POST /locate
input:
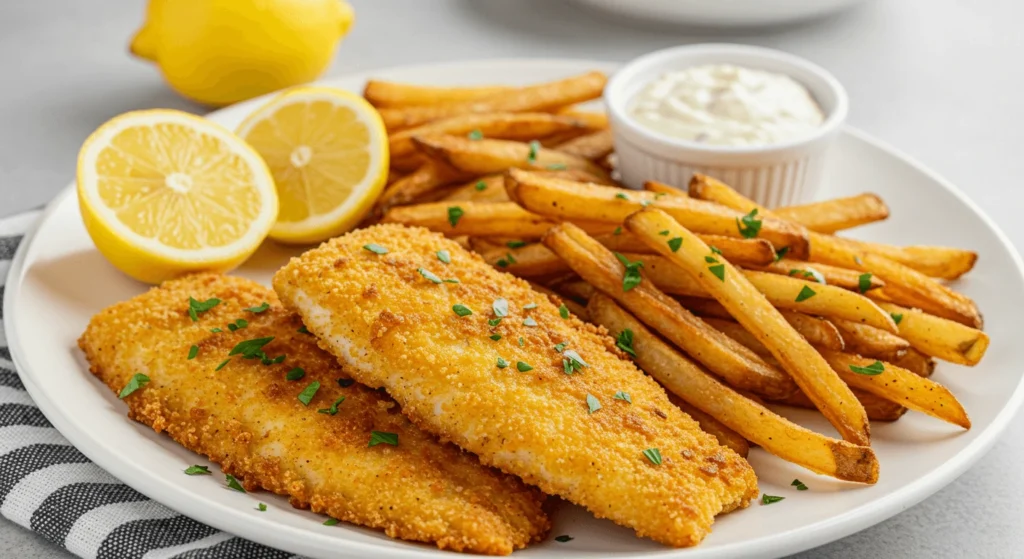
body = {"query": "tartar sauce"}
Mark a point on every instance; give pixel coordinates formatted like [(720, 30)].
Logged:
[(728, 105)]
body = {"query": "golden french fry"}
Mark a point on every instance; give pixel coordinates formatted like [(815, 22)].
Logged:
[(748, 252), (483, 157), (382, 93), (484, 189), (409, 163), (748, 418), (726, 436), (533, 259), (540, 97), (662, 188), (591, 146), (505, 126), (499, 219), (878, 409), (898, 385), (570, 200), (751, 309), (818, 331), (939, 337), (428, 178), (837, 214), (833, 275), (861, 339), (726, 358), (917, 363), (578, 290), (594, 120), (911, 288)]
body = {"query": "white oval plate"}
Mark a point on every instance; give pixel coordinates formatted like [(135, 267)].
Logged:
[(58, 281)]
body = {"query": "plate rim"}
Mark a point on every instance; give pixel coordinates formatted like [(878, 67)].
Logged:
[(266, 532)]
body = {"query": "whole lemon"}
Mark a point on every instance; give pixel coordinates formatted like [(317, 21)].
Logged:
[(219, 52)]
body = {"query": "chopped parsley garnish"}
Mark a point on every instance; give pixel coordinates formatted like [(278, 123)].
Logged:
[(654, 455), (529, 306), (510, 258), (805, 293), (646, 203), (523, 366), (675, 243), (331, 522), (196, 307), (625, 342), (563, 311), (303, 330), (451, 280), (500, 308), (521, 342), (216, 330), (529, 321), (561, 347), (873, 369), (749, 225), (461, 310), (306, 396), (295, 374), (896, 317), (455, 213), (593, 404), (617, 231), (557, 167), (710, 259), (261, 507), (718, 270), (381, 437), (429, 275), (238, 324), (767, 499), (631, 278), (476, 135), (664, 233), (563, 539), (515, 244), (620, 395), (223, 364), (375, 248), (799, 485), (333, 410), (198, 471), (621, 196), (233, 483), (502, 363), (137, 381), (274, 361), (345, 382), (495, 337), (715, 250), (572, 362), (864, 283), (257, 310), (781, 253), (251, 349), (494, 322), (480, 186), (809, 273), (444, 256), (534, 148), (192, 352)]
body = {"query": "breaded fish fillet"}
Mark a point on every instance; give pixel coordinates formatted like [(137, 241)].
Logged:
[(539, 394), (248, 418)]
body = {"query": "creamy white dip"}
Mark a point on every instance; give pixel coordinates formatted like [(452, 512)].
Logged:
[(723, 104)]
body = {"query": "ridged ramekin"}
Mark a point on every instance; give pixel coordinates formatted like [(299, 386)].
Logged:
[(774, 175)]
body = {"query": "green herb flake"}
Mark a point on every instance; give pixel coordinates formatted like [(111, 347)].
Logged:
[(654, 455), (455, 213), (749, 225), (715, 250), (494, 322), (523, 366), (295, 374), (444, 256), (522, 343), (631, 278), (261, 507), (563, 311), (531, 157), (137, 381), (805, 293), (573, 362), (192, 352), (557, 167), (767, 499), (624, 396), (333, 410), (625, 342), (495, 337), (515, 244), (621, 196), (529, 321), (502, 363), (250, 349), (711, 260), (262, 308), (864, 283), (718, 270), (461, 310), (331, 522), (561, 347), (529, 306), (593, 404), (664, 233), (871, 370), (195, 307), (500, 308), (429, 275), (345, 382), (781, 253), (233, 483), (563, 538), (799, 485), (896, 317), (480, 186), (675, 243), (223, 364), (511, 259), (451, 280), (216, 330), (381, 437), (617, 231), (476, 135), (303, 330), (198, 471), (375, 248), (306, 396)]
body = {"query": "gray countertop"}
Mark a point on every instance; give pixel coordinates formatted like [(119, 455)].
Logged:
[(940, 79)]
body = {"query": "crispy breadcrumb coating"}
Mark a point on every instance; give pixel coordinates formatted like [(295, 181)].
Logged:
[(247, 417), (392, 325)]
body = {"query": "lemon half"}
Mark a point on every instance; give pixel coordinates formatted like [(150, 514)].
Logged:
[(328, 152), (164, 193)]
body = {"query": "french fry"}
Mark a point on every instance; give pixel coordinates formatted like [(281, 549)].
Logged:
[(505, 126), (819, 332), (861, 339), (751, 420), (917, 363), (833, 275), (878, 409), (660, 187), (490, 188), (540, 97), (499, 219), (751, 309), (837, 214), (533, 259), (591, 146), (578, 290), (710, 425), (736, 364), (748, 252), (939, 337), (428, 178), (570, 200), (595, 120), (899, 385), (483, 157), (911, 288), (393, 94)]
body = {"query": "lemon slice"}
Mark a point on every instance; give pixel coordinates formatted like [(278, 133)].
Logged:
[(328, 152), (164, 193)]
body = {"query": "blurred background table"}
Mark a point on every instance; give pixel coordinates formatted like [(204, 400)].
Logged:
[(939, 79)]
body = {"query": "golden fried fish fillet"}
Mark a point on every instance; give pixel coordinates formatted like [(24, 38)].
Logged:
[(540, 395), (248, 418)]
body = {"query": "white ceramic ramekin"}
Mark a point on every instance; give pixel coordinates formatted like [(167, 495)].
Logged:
[(774, 175)]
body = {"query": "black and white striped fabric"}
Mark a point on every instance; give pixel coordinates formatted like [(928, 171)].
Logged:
[(48, 486)]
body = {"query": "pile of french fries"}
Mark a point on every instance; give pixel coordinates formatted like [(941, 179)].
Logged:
[(728, 304)]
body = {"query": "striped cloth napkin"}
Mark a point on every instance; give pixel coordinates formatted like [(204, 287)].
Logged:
[(48, 486)]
